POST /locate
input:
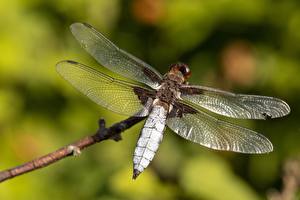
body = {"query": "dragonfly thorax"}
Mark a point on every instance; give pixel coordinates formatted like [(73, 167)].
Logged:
[(168, 91)]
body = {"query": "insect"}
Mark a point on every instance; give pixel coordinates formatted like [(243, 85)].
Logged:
[(167, 101)]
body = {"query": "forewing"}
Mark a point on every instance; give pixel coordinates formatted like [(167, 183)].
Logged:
[(201, 128), (235, 105), (114, 58), (116, 95)]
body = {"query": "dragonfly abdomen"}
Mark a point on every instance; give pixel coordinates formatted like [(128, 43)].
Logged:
[(150, 138)]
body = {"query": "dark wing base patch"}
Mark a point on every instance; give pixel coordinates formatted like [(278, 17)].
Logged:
[(143, 94), (179, 109)]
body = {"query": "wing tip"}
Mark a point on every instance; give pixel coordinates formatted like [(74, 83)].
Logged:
[(283, 110), (63, 63), (266, 148), (67, 61), (262, 146), (77, 25), (284, 107), (74, 26), (287, 107)]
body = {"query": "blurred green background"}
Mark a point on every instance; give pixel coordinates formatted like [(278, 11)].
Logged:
[(242, 46)]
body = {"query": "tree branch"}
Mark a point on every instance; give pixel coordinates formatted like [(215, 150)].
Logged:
[(113, 132)]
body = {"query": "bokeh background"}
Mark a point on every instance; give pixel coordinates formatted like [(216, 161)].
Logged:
[(242, 46)]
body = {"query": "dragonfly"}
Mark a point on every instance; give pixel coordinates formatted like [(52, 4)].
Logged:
[(167, 101)]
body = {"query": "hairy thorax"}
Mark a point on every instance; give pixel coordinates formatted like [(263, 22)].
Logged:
[(168, 91)]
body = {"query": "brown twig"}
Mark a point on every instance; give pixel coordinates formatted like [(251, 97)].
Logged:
[(113, 132)]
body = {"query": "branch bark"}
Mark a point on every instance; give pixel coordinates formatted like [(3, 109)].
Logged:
[(113, 132)]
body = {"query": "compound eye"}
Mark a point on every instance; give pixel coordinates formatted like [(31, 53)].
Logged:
[(183, 70)]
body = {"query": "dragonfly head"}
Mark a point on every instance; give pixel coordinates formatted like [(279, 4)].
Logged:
[(180, 70)]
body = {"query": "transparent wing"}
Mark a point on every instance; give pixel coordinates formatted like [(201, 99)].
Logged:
[(235, 105), (210, 132), (114, 58), (113, 94)]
